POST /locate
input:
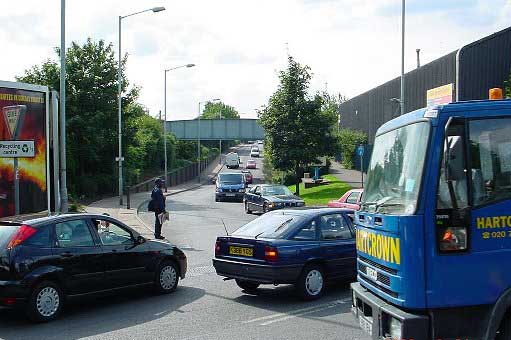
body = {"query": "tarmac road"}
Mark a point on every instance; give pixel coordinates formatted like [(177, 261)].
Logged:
[(204, 306)]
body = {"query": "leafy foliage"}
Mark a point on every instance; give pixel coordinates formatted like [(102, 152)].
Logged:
[(215, 110), (298, 130), (348, 142), (92, 122)]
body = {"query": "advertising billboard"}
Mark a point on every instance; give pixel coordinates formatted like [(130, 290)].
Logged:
[(23, 149), (440, 95)]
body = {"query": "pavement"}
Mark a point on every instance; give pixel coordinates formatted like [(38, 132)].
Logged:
[(130, 216), (352, 177)]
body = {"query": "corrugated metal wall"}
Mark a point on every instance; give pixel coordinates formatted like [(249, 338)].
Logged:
[(368, 111), (484, 64)]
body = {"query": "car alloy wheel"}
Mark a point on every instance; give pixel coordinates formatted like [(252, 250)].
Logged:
[(45, 302), (265, 207), (314, 282), (311, 282), (167, 278)]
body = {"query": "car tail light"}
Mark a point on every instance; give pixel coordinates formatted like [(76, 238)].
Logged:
[(217, 248), (271, 254), (9, 301), (23, 233)]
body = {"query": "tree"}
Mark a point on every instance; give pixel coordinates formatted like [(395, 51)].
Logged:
[(212, 110), (298, 129), (91, 113)]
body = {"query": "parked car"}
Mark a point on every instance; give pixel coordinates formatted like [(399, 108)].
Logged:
[(302, 247), (48, 261), (248, 176), (351, 200), (230, 185), (251, 164), (254, 152), (232, 160), (266, 197)]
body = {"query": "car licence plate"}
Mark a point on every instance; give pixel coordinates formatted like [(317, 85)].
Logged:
[(230, 195), (373, 274), (243, 251), (365, 325)]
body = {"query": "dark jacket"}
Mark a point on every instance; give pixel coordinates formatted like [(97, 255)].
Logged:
[(159, 199)]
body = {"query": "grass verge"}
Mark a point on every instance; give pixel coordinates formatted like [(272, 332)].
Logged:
[(320, 195)]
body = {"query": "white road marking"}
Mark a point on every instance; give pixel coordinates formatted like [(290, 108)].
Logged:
[(299, 312)]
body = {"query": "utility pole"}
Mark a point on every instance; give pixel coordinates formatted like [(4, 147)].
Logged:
[(402, 98), (63, 174), (220, 138)]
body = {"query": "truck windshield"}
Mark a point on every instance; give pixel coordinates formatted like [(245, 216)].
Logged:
[(395, 172)]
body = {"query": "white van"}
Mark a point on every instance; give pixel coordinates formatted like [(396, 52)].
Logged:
[(232, 160), (254, 152)]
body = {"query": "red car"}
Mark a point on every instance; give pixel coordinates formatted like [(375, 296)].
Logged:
[(351, 200), (251, 164), (248, 176)]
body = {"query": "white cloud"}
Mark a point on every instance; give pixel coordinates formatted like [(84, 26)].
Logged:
[(238, 46)]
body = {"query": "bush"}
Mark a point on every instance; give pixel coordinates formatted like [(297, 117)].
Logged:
[(348, 141)]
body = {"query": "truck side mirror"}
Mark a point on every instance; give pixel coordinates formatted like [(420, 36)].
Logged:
[(454, 159)]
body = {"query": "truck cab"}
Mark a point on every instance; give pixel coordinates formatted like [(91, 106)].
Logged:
[(434, 227)]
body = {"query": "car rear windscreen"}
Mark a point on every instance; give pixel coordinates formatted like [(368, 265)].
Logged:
[(230, 178), (269, 226), (6, 232)]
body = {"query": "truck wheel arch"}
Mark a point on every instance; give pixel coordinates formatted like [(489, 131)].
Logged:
[(498, 312)]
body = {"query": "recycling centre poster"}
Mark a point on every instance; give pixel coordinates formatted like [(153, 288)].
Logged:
[(23, 180)]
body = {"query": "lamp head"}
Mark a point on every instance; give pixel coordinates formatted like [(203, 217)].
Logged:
[(157, 9)]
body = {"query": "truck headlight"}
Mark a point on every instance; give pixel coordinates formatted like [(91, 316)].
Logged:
[(394, 328)]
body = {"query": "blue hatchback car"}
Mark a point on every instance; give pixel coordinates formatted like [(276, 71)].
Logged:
[(301, 247)]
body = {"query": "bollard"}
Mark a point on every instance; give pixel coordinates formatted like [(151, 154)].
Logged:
[(127, 197)]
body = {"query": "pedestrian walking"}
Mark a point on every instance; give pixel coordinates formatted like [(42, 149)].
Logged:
[(157, 205)]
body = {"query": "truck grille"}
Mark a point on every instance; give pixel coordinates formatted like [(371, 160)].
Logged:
[(383, 289), (377, 265), (380, 278)]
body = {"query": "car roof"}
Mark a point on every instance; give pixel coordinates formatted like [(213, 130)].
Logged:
[(36, 221)]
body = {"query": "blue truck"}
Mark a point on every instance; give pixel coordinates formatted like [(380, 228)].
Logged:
[(434, 229)]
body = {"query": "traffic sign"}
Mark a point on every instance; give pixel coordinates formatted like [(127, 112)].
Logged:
[(360, 150), (117, 159), (17, 148)]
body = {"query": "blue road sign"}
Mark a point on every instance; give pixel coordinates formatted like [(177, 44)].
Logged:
[(360, 150)]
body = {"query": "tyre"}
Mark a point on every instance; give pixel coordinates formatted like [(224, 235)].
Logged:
[(504, 332), (167, 278), (311, 283), (45, 302), (265, 208), (247, 209), (217, 199), (248, 286)]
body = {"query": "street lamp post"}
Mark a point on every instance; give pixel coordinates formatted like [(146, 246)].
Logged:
[(220, 138), (119, 94), (402, 99), (165, 119), (198, 137)]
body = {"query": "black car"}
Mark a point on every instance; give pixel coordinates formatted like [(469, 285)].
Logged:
[(266, 197), (46, 261), (304, 247)]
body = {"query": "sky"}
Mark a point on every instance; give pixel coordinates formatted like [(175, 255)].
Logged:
[(239, 46)]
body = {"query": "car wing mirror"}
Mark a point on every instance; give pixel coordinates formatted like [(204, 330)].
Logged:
[(140, 239)]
